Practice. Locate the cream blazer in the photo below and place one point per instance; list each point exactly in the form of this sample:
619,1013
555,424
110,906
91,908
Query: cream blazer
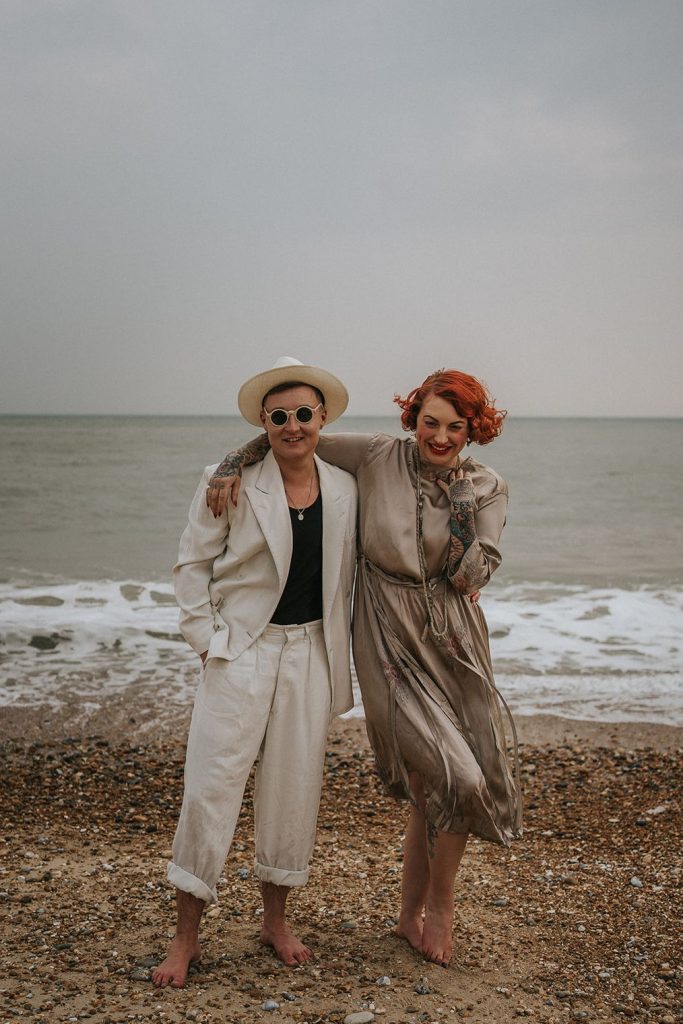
231,571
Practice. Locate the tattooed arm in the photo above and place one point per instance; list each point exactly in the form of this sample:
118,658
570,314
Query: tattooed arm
475,530
225,482
251,452
347,451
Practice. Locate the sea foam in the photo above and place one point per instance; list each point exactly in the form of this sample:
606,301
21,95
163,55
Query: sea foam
602,654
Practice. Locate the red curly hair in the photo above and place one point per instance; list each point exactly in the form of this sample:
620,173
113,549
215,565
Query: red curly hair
469,396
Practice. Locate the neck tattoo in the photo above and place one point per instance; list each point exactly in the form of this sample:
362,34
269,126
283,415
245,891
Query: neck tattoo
294,505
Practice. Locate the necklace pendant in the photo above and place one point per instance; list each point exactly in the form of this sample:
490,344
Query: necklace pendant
300,516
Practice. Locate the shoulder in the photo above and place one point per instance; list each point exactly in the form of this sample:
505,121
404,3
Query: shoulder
387,448
486,481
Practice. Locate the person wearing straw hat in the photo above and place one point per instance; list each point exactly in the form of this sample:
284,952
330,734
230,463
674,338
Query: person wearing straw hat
264,593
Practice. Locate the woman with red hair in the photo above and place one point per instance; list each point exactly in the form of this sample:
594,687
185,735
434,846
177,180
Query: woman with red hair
430,519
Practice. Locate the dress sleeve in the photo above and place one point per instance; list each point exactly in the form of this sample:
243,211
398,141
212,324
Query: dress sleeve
474,535
346,451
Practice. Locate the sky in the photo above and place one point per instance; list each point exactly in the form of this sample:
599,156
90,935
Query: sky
379,187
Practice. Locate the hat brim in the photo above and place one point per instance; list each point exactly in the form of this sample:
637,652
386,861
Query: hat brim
254,390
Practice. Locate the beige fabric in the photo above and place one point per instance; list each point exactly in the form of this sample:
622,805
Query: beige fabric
430,706
273,701
231,571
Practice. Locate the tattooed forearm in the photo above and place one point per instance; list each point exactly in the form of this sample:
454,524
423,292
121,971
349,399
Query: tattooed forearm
253,451
461,497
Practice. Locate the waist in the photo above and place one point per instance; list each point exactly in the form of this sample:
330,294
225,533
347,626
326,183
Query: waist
399,581
300,629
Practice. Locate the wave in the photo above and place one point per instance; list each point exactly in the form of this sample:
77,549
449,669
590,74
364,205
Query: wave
605,654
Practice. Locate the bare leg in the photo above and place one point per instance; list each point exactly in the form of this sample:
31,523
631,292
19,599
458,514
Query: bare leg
275,931
415,874
437,941
184,948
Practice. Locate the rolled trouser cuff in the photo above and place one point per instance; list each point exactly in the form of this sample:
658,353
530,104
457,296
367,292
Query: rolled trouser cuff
280,876
182,879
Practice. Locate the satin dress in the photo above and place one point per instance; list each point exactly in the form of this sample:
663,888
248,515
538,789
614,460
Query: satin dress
431,705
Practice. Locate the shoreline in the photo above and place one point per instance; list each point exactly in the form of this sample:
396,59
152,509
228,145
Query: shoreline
134,713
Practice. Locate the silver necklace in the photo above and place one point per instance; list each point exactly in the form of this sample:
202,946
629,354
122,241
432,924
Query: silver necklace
294,505
427,585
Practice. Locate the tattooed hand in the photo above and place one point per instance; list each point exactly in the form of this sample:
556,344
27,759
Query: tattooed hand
219,490
226,482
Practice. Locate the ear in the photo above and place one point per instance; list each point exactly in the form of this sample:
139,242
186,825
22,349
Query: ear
262,417
323,416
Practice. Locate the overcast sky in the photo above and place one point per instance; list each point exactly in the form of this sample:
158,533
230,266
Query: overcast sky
191,189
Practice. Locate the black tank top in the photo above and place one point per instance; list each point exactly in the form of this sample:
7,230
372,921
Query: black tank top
302,598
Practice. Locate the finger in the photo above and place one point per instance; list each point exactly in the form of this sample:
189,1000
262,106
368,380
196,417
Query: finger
474,598
216,496
221,498
442,484
235,490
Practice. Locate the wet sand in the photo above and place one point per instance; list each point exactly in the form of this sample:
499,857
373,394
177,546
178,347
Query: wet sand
577,921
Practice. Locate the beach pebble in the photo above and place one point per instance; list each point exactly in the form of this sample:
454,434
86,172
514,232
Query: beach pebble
348,926
500,902
48,643
243,873
422,988
289,997
383,980
364,1017
140,974
270,1004
636,883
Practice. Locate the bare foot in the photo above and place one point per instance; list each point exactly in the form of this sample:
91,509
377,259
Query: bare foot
285,943
437,937
173,971
410,928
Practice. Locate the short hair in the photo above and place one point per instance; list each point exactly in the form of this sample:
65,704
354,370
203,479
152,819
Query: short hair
293,384
469,396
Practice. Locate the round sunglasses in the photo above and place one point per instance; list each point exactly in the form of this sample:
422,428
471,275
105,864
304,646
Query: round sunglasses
304,414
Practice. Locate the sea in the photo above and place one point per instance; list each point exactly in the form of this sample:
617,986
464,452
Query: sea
585,613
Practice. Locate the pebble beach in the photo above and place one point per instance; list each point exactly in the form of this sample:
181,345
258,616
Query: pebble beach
578,920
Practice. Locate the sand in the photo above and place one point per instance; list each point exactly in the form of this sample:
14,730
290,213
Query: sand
578,920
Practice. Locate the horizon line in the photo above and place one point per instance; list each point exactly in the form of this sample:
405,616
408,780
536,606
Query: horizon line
358,415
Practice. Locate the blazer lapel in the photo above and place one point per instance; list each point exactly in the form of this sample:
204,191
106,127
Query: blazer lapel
269,504
335,506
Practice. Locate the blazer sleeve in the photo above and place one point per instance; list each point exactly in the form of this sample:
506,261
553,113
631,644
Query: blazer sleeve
204,539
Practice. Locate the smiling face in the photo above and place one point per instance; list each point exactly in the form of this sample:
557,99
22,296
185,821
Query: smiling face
441,432
294,442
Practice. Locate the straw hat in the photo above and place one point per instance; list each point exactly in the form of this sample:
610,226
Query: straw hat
253,391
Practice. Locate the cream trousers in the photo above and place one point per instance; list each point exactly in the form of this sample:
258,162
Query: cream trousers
273,702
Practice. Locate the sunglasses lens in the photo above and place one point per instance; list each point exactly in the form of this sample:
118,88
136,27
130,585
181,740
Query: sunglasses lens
304,414
278,417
